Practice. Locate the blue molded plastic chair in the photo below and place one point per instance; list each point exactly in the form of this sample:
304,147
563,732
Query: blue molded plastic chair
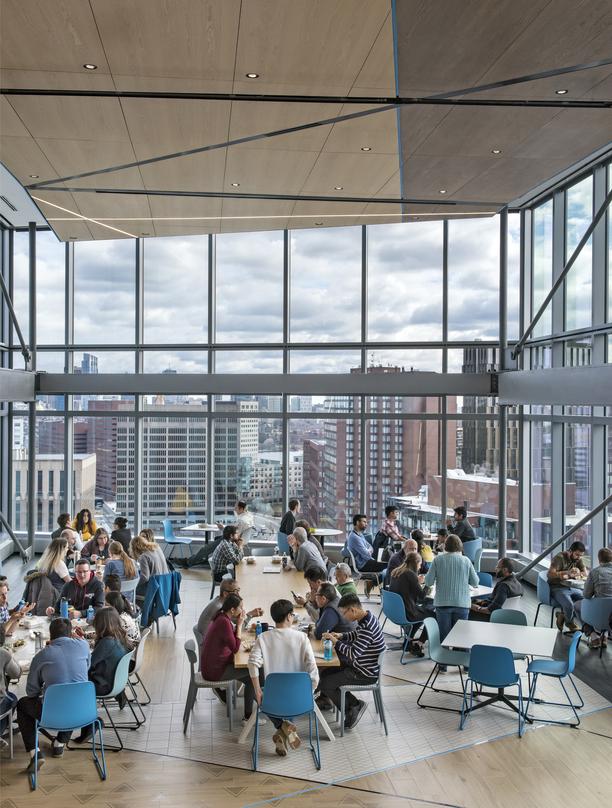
442,657
470,548
545,597
558,668
283,544
596,612
511,617
70,707
128,588
394,610
170,538
492,666
283,692
485,579
120,683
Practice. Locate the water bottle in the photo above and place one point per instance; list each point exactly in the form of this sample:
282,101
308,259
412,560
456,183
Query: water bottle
20,605
90,613
64,608
276,551
258,628
328,650
284,561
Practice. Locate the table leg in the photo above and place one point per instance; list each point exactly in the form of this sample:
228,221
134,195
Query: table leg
246,730
324,725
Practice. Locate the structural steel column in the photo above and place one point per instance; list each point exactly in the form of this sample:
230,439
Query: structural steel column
32,404
503,409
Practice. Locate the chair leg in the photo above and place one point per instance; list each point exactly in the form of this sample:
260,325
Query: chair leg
188,707
34,775
230,699
114,726
464,705
571,703
381,707
521,716
536,614
342,708
255,747
434,670
316,754
100,766
142,684
571,678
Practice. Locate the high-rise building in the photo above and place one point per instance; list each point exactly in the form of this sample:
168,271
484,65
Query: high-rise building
312,481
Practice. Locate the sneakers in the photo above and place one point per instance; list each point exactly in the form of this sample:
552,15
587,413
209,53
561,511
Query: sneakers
280,743
290,732
31,768
595,642
416,649
354,715
572,627
560,621
57,750
368,587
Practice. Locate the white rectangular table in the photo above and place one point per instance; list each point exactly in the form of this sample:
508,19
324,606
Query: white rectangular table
527,640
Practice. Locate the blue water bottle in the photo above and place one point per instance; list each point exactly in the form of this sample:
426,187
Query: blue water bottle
64,608
258,628
90,613
328,650
20,605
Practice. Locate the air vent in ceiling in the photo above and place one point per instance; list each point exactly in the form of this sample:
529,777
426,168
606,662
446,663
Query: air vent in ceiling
8,204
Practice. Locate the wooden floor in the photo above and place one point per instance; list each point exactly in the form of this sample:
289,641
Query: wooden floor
551,766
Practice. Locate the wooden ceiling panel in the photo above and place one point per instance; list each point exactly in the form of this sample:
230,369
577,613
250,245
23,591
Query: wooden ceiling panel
182,207
507,178
190,229
102,206
378,131
39,35
57,80
572,134
358,174
71,118
76,230
178,38
75,156
23,157
250,119
198,172
263,171
160,127
377,76
11,123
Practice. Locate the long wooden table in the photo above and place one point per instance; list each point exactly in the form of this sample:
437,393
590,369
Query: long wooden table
258,588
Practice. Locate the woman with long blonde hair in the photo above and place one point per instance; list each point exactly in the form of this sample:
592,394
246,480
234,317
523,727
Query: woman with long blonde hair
53,563
150,557
119,563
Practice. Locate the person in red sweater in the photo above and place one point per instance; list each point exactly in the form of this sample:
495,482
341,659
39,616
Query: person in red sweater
221,642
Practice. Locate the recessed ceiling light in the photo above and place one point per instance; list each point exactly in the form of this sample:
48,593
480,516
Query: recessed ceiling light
145,234
495,151
442,191
318,224
366,148
561,92
338,187
252,75
90,67
235,185
33,176
72,238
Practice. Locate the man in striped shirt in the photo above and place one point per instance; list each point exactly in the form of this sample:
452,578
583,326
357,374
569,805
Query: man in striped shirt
358,652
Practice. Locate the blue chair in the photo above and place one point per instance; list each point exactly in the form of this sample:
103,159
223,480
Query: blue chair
510,617
128,588
70,707
470,549
485,579
291,692
283,544
394,610
596,612
120,683
444,657
376,693
545,597
559,669
491,666
171,539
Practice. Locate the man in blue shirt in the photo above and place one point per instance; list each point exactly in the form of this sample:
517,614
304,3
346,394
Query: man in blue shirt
64,660
359,543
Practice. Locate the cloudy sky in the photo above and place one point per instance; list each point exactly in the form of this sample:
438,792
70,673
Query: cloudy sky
404,294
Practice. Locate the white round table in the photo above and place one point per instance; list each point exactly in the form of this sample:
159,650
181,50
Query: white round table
326,531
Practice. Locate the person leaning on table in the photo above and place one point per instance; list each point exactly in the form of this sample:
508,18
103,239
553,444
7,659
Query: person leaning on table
282,651
227,587
64,660
506,586
83,591
453,574
305,553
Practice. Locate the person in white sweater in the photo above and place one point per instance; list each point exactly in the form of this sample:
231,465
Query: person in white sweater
282,650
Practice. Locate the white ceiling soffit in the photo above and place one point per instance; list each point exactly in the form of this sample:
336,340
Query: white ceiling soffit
314,47
16,207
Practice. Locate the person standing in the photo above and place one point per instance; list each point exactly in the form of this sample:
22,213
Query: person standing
150,557
453,574
461,527
287,524
564,567
64,660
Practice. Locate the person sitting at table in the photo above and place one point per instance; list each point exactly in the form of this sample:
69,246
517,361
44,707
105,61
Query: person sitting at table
97,547
453,574
282,651
506,586
305,554
111,644
287,524
121,533
423,549
328,616
344,579
565,566
228,586
65,659
399,558
9,669
63,521
441,536
53,563
223,640
461,526
599,585
10,618
310,535
75,545
83,591
358,652
314,576
359,543
406,582
123,608
84,524
113,584
150,557
119,563
229,551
